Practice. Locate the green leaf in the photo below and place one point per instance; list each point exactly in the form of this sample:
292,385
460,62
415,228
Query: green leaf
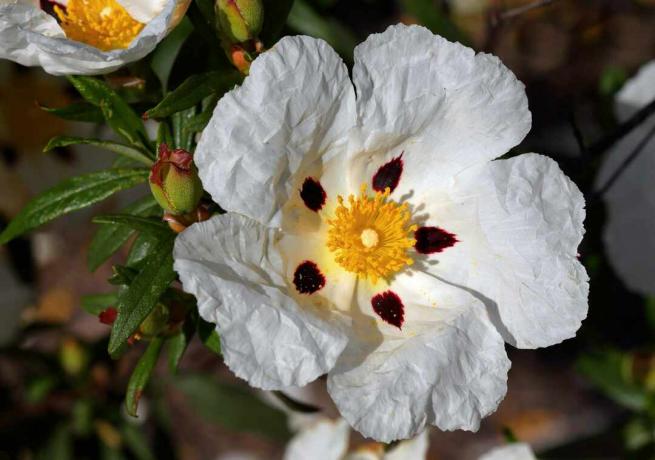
177,345
611,372
303,18
141,375
97,303
200,121
434,18
39,388
193,90
71,195
140,250
232,406
164,135
183,137
120,149
109,238
136,442
122,276
275,16
136,302
78,111
209,337
166,53
118,114
147,225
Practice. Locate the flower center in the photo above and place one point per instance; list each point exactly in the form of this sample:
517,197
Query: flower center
101,23
370,235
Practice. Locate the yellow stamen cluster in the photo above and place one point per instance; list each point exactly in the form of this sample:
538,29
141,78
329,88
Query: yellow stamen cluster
101,23
371,234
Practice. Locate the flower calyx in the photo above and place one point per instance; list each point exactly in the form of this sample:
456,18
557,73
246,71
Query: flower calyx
174,181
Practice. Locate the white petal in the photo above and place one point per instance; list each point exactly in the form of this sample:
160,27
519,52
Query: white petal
446,367
511,452
232,267
291,114
143,11
325,440
412,449
31,37
438,102
519,223
629,234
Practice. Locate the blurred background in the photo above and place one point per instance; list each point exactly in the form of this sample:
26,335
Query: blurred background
592,397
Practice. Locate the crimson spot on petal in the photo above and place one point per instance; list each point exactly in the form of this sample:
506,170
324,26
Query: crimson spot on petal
389,307
312,194
388,175
433,239
308,278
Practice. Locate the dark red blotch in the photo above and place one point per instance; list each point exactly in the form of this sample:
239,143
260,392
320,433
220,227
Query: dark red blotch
108,316
312,194
430,240
308,278
388,175
389,307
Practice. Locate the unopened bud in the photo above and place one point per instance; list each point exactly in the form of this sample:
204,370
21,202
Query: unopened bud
239,20
174,181
155,323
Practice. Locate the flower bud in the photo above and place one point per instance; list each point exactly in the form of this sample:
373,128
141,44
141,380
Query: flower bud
155,323
174,181
239,20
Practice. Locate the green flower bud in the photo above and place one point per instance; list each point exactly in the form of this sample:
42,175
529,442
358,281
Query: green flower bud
155,323
239,20
174,181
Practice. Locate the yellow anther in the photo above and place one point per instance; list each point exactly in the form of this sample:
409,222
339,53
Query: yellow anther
104,24
370,235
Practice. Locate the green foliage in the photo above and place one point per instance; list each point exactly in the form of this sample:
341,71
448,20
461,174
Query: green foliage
178,343
110,237
164,57
434,18
71,195
232,406
209,337
118,114
193,90
275,16
97,303
141,375
138,155
143,293
78,111
153,227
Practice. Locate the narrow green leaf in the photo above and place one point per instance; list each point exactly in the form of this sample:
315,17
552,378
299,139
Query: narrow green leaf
109,238
136,302
275,16
118,114
232,406
122,275
198,122
303,18
151,226
193,90
177,345
164,135
140,250
71,195
183,137
136,442
120,149
208,336
97,303
166,53
141,375
78,111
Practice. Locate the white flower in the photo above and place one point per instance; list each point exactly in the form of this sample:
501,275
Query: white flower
84,36
328,440
630,227
518,451
402,293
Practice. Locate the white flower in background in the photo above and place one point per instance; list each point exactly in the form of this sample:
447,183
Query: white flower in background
328,440
372,238
518,451
84,36
630,226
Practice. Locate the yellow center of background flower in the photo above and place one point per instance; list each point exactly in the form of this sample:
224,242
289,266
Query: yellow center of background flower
370,235
104,24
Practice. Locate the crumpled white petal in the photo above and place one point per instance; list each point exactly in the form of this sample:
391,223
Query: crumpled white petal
31,37
518,451
412,449
294,111
629,234
519,223
447,367
231,266
441,104
324,440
